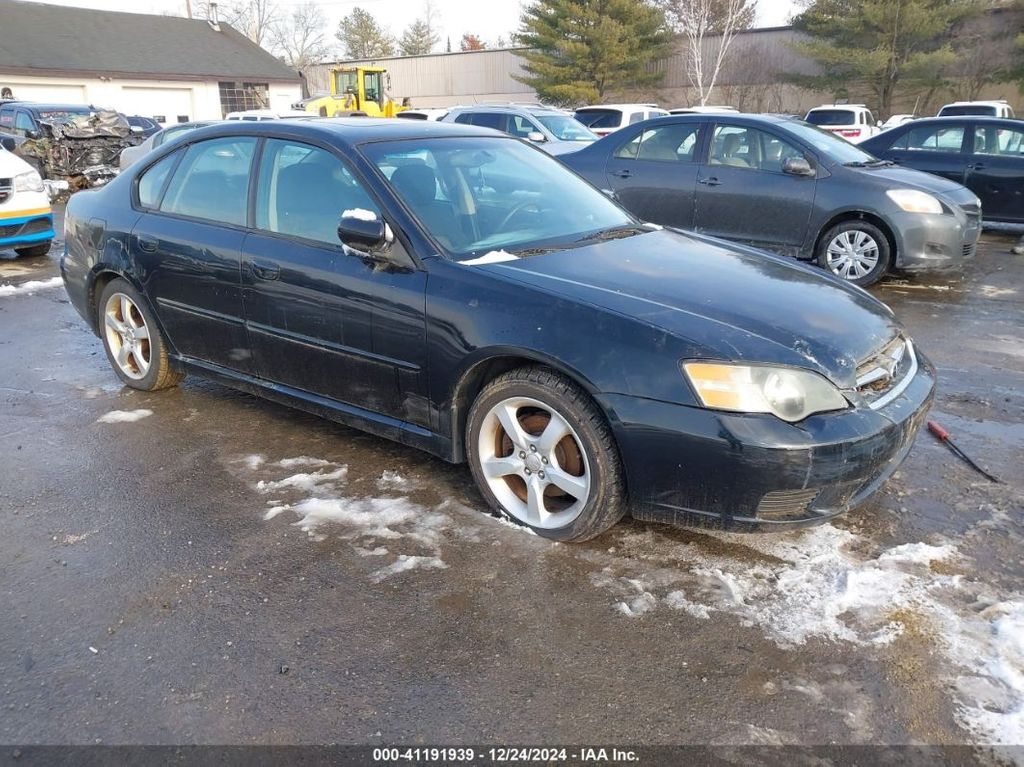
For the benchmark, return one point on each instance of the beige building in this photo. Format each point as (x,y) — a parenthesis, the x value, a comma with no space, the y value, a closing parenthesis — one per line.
(168,68)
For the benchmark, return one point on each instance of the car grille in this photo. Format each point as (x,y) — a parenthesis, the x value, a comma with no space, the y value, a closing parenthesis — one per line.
(6,189)
(885,374)
(784,504)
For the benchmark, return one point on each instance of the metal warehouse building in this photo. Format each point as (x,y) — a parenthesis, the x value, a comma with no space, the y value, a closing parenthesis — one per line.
(169,68)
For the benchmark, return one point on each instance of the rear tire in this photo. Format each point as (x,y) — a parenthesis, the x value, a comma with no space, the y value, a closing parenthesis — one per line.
(855,251)
(134,344)
(35,251)
(542,454)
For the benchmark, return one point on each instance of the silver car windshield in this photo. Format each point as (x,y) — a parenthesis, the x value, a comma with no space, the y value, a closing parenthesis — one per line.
(482,195)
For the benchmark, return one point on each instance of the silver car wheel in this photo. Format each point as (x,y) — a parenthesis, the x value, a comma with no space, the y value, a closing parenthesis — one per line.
(534,463)
(127,336)
(852,254)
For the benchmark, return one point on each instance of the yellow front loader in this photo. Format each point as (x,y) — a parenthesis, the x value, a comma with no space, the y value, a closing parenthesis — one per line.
(357,91)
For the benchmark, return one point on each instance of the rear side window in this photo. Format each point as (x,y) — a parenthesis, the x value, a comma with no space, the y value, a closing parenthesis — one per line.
(992,140)
(152,182)
(944,138)
(7,117)
(636,117)
(491,120)
(666,143)
(303,191)
(212,181)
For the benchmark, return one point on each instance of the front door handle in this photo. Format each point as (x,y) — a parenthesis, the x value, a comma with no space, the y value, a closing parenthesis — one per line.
(147,243)
(266,271)
(712,181)
(976,166)
(624,173)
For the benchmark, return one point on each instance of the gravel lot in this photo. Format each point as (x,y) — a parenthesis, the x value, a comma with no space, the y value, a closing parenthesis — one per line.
(201,566)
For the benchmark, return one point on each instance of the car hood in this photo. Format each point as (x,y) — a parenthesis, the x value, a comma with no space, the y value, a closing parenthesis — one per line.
(725,301)
(894,177)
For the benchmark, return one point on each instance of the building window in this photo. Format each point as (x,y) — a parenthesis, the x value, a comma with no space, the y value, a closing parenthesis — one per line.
(238,97)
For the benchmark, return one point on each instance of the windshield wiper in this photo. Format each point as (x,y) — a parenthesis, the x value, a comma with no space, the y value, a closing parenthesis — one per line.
(616,233)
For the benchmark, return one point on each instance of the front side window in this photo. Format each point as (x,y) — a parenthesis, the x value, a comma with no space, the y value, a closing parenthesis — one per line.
(943,138)
(303,191)
(741,147)
(151,183)
(482,194)
(23,122)
(521,127)
(212,181)
(992,140)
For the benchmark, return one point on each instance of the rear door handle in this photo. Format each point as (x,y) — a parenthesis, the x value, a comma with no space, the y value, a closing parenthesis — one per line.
(624,173)
(147,243)
(976,166)
(266,271)
(712,181)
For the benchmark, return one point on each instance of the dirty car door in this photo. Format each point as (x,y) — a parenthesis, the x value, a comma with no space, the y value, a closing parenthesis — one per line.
(996,171)
(654,172)
(321,318)
(186,246)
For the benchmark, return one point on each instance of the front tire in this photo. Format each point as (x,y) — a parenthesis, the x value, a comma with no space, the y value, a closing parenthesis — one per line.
(134,344)
(542,454)
(35,251)
(855,251)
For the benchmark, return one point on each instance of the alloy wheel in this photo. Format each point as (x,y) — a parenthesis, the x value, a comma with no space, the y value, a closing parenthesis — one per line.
(852,254)
(534,463)
(127,336)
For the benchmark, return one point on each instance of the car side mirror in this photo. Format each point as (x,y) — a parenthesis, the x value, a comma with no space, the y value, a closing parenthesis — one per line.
(536,137)
(364,231)
(797,166)
(8,143)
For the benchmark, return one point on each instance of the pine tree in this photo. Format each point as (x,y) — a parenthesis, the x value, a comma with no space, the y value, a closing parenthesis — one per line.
(418,38)
(363,38)
(882,45)
(580,50)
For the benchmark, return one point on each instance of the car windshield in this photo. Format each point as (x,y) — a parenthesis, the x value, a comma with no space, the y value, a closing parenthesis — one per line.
(566,128)
(829,145)
(63,114)
(967,109)
(599,118)
(832,117)
(494,196)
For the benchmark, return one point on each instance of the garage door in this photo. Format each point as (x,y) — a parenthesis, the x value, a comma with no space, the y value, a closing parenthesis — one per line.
(166,105)
(54,94)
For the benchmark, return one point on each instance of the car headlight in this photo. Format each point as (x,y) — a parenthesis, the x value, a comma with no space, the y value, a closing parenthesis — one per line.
(914,201)
(28,182)
(788,393)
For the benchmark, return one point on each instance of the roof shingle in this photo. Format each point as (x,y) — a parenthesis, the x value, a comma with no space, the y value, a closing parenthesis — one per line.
(40,39)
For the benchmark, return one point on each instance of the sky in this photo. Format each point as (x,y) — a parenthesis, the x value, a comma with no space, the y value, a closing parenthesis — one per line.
(488,20)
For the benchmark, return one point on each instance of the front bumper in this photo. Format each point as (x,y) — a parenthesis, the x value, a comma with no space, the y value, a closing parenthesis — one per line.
(690,465)
(938,242)
(23,228)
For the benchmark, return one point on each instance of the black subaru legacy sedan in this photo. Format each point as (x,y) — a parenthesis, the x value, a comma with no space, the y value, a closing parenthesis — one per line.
(462,292)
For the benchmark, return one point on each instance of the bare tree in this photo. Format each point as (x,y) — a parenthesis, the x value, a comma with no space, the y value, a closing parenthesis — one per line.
(707,28)
(255,19)
(301,36)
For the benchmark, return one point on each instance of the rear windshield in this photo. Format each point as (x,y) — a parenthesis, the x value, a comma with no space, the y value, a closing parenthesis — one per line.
(599,118)
(832,117)
(968,109)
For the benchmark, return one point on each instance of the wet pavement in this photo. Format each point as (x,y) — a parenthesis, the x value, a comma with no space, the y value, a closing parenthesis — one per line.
(201,566)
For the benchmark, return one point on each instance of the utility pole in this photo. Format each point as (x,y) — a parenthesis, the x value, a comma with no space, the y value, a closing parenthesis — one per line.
(188,8)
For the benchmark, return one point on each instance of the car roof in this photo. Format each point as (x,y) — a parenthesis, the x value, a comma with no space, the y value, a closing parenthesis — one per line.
(36,106)
(348,131)
(530,109)
(753,119)
(989,103)
(838,106)
(981,119)
(618,106)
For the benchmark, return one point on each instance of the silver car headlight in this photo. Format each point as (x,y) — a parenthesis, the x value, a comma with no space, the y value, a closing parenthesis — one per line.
(914,201)
(789,393)
(28,182)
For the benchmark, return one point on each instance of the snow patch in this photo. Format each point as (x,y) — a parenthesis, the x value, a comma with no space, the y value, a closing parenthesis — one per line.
(391,478)
(124,416)
(406,562)
(308,482)
(494,257)
(303,460)
(361,214)
(32,286)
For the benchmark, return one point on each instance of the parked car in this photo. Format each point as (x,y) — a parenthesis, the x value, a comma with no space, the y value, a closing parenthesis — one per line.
(23,119)
(977,108)
(143,126)
(854,122)
(26,222)
(552,129)
(477,300)
(422,114)
(603,119)
(985,154)
(896,121)
(131,154)
(786,186)
(703,110)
